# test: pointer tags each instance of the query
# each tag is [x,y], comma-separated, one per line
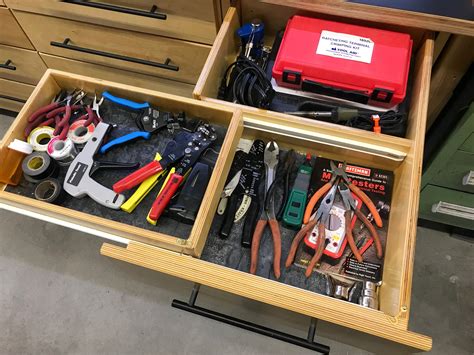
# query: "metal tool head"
[339,171]
[96,104]
[270,158]
[347,198]
[326,205]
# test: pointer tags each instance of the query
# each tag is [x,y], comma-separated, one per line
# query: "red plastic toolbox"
[358,63]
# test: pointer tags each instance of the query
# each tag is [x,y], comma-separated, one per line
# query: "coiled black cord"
[246,83]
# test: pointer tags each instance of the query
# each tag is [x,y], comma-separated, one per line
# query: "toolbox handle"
[7,65]
[66,45]
[125,10]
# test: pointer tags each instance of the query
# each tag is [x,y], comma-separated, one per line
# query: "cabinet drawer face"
[122,76]
[223,260]
[187,20]
[133,51]
[86,214]
[13,94]
[21,65]
[457,173]
[447,206]
[12,34]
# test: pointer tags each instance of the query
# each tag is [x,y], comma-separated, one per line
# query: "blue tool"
[251,35]
[148,120]
[124,102]
[125,139]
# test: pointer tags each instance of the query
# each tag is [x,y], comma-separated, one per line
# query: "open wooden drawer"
[166,254]
[115,228]
[395,154]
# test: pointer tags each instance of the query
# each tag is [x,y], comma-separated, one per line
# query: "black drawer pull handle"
[152,13]
[65,44]
[11,98]
[7,65]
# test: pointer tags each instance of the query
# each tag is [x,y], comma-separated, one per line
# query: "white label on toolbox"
[345,46]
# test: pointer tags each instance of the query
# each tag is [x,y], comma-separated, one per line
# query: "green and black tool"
[294,210]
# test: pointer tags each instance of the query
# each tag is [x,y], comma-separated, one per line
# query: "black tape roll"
[39,166]
[49,190]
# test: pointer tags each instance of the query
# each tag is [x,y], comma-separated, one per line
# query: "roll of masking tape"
[39,138]
[79,134]
[63,151]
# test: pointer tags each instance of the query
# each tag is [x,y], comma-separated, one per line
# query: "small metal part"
[369,297]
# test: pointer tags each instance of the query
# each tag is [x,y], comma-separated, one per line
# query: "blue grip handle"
[124,102]
[124,139]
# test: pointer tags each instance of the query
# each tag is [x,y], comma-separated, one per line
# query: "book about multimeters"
[337,257]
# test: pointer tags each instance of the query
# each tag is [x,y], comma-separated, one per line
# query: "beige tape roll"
[40,137]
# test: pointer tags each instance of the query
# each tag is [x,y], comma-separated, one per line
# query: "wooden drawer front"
[21,65]
[11,32]
[118,75]
[187,20]
[2,3]
[121,49]
[13,95]
[447,206]
[51,84]
[457,173]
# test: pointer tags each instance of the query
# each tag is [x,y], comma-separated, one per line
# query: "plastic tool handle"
[124,102]
[165,196]
[250,223]
[124,139]
[294,210]
[368,202]
[229,216]
[137,177]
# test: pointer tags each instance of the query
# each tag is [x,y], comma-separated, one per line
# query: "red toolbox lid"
[359,63]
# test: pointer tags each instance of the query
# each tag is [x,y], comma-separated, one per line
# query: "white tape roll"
[39,138]
[63,151]
[21,146]
[80,134]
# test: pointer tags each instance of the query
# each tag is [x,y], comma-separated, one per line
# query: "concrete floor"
[59,296]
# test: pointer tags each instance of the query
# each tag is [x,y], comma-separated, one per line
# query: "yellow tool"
[143,190]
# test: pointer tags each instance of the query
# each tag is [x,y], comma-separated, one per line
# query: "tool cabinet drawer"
[447,206]
[122,76]
[187,20]
[12,34]
[400,156]
[457,173]
[2,3]
[13,94]
[101,220]
[133,51]
[21,65]
[227,46]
